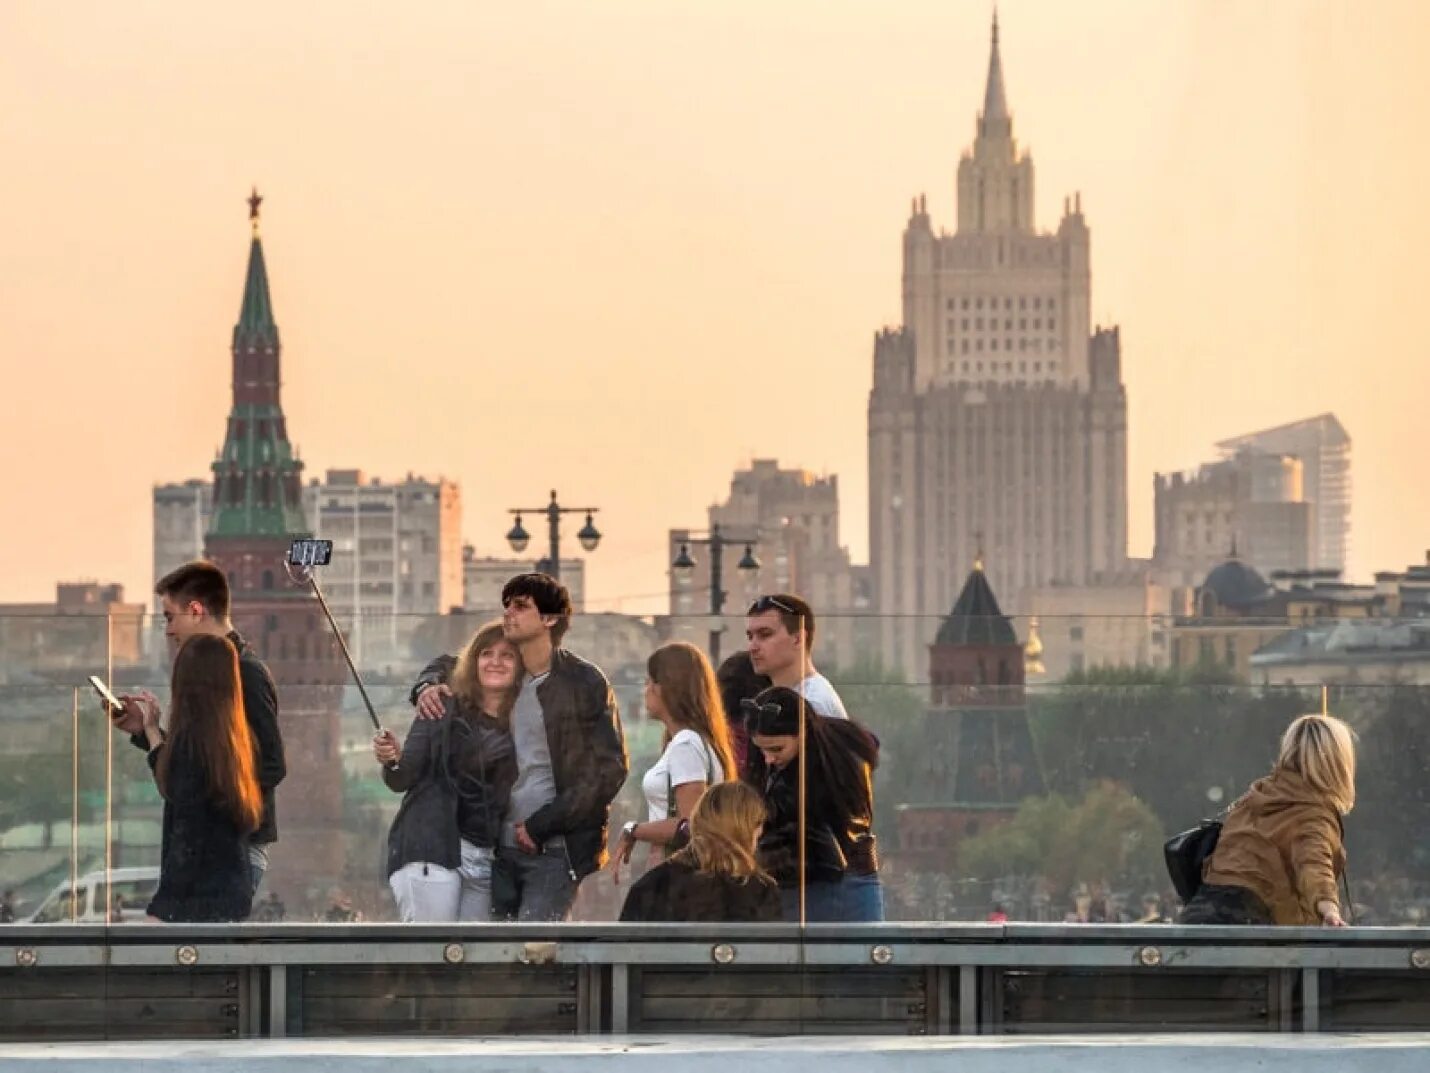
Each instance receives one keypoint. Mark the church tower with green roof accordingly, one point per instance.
(257, 476)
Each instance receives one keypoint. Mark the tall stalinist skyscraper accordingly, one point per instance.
(997, 419)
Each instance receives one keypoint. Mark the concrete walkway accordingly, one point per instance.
(719, 1054)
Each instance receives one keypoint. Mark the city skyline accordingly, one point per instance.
(741, 266)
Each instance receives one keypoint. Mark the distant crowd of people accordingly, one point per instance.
(759, 808)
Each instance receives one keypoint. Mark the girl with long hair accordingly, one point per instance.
(456, 775)
(715, 878)
(1282, 847)
(841, 873)
(682, 695)
(206, 771)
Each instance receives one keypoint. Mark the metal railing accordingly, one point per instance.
(79, 982)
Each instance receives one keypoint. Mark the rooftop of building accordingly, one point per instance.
(1327, 424)
(1348, 641)
(84, 597)
(356, 478)
(976, 618)
(1236, 584)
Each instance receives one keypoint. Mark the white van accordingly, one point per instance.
(129, 890)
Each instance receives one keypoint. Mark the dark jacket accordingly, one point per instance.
(1282, 841)
(839, 810)
(426, 825)
(778, 848)
(260, 705)
(588, 754)
(675, 891)
(203, 871)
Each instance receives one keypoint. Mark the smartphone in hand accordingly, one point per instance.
(111, 702)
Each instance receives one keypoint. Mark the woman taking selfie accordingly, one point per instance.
(205, 770)
(715, 879)
(1281, 847)
(681, 694)
(841, 860)
(456, 773)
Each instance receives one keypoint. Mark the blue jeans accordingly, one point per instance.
(821, 902)
(860, 899)
(545, 882)
(257, 866)
(852, 900)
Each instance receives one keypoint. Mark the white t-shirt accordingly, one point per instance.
(686, 759)
(819, 694)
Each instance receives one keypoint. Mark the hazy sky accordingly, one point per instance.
(619, 248)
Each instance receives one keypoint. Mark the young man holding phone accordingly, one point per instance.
(195, 600)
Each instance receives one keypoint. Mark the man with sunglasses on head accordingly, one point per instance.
(780, 631)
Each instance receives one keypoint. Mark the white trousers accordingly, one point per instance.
(427, 893)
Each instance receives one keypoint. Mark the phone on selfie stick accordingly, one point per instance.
(303, 556)
(111, 703)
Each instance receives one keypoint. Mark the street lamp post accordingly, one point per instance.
(684, 564)
(588, 534)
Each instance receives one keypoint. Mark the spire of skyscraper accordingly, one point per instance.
(995, 180)
(995, 101)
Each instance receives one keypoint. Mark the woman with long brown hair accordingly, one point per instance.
(716, 878)
(456, 773)
(206, 770)
(682, 695)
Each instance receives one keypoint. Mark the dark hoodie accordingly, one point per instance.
(1282, 841)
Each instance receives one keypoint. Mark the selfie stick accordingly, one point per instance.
(303, 573)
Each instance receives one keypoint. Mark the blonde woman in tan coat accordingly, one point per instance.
(1281, 848)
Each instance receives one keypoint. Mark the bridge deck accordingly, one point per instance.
(73, 983)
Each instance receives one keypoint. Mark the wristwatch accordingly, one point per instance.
(628, 832)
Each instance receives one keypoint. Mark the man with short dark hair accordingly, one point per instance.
(570, 754)
(780, 631)
(195, 600)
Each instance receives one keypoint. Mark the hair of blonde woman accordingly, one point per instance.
(1321, 749)
(692, 697)
(723, 830)
(466, 682)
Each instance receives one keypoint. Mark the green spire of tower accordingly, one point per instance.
(257, 476)
(255, 318)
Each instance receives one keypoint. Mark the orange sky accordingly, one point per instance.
(620, 248)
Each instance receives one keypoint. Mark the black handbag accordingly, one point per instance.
(1187, 852)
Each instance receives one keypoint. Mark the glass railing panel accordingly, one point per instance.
(992, 797)
(52, 774)
(51, 804)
